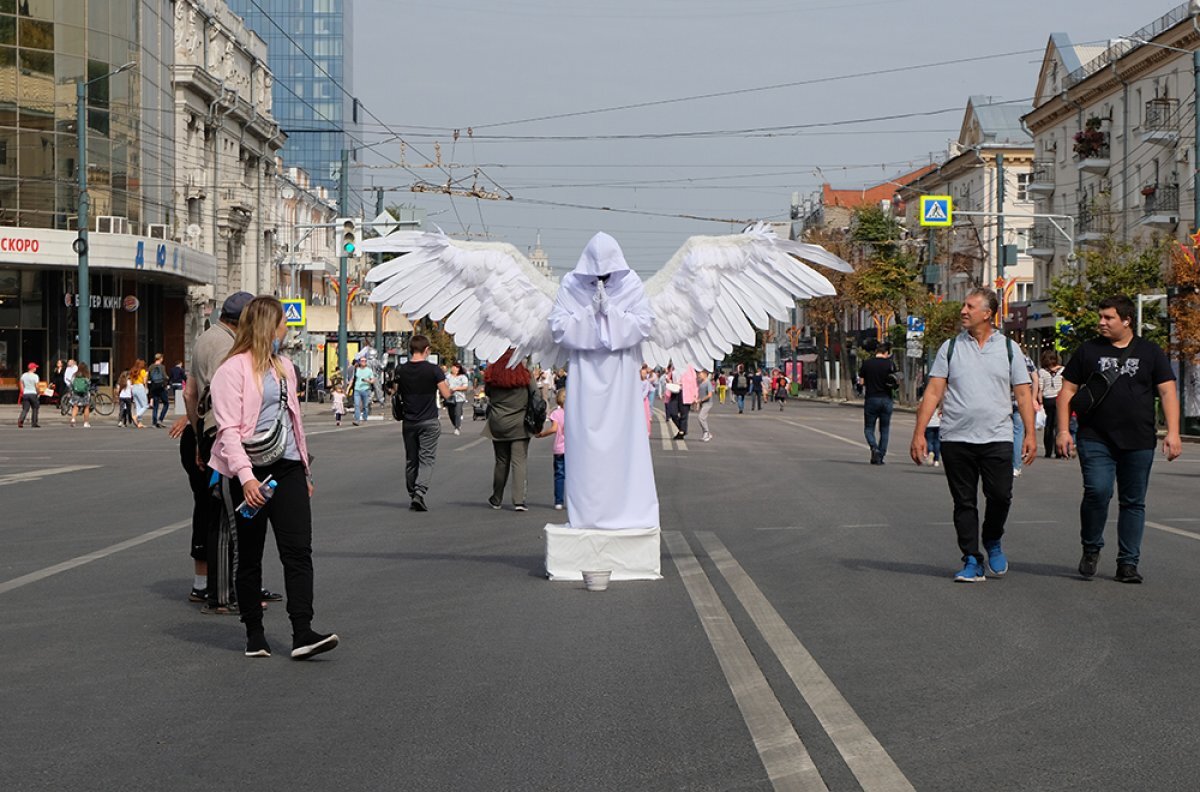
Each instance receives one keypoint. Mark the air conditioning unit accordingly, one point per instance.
(156, 231)
(110, 224)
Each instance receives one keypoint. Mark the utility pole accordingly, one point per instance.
(378, 260)
(81, 244)
(344, 209)
(1000, 216)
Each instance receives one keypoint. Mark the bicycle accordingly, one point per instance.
(102, 403)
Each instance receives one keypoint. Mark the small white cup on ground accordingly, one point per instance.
(597, 580)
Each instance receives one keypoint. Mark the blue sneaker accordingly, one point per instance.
(972, 572)
(996, 560)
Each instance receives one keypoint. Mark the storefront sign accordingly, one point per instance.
(52, 248)
(131, 303)
(97, 300)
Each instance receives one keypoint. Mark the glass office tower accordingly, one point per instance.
(308, 50)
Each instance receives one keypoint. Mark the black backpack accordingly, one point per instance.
(158, 375)
(535, 412)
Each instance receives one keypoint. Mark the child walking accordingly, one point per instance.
(556, 419)
(125, 396)
(933, 437)
(339, 404)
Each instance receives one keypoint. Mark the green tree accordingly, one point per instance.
(1113, 268)
(441, 343)
(942, 322)
(885, 282)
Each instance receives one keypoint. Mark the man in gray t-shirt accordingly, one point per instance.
(704, 394)
(974, 378)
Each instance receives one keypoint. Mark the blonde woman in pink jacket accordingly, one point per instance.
(259, 435)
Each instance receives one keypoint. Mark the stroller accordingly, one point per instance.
(479, 406)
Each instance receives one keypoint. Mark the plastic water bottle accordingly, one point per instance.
(266, 489)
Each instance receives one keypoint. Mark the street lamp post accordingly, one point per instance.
(81, 243)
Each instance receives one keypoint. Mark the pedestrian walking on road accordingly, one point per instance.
(419, 383)
(779, 388)
(508, 389)
(459, 386)
(28, 396)
(704, 403)
(933, 437)
(1050, 381)
(740, 387)
(138, 377)
(260, 436)
(1018, 424)
(339, 403)
(974, 377)
(125, 400)
(214, 527)
(1110, 382)
(363, 379)
(81, 394)
(557, 420)
(688, 389)
(158, 382)
(877, 377)
(756, 389)
(722, 387)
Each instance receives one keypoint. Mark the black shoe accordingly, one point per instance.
(1089, 562)
(495, 504)
(271, 596)
(198, 595)
(418, 504)
(310, 643)
(875, 458)
(1127, 573)
(257, 646)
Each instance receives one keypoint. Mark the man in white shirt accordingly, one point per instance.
(29, 396)
(69, 373)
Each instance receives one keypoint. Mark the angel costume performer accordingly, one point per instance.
(709, 298)
(601, 317)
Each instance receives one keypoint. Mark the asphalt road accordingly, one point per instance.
(806, 634)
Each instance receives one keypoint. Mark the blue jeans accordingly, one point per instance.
(741, 401)
(877, 408)
(933, 442)
(560, 477)
(362, 404)
(1018, 439)
(1102, 464)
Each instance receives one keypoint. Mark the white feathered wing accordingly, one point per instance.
(493, 296)
(716, 289)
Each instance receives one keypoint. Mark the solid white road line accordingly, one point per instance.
(845, 440)
(787, 762)
(666, 430)
(34, 475)
(1176, 531)
(42, 574)
(867, 759)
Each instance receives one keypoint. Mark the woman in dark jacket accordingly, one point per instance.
(507, 390)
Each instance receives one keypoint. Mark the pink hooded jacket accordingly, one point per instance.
(236, 403)
(691, 389)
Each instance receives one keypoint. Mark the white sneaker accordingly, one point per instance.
(457, 432)
(937, 463)
(1016, 472)
(87, 425)
(706, 438)
(558, 507)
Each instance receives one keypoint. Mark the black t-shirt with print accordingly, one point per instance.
(1126, 416)
(418, 383)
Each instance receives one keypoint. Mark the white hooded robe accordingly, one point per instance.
(610, 479)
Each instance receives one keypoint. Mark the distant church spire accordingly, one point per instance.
(538, 257)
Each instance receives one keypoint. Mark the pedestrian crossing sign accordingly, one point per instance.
(937, 210)
(294, 313)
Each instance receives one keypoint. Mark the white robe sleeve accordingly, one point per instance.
(575, 323)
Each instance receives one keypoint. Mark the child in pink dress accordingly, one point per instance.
(339, 404)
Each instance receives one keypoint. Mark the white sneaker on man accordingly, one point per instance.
(457, 432)
(706, 438)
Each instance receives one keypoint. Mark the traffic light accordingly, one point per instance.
(349, 233)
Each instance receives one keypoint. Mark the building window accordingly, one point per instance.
(1023, 180)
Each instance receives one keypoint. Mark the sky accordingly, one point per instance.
(499, 69)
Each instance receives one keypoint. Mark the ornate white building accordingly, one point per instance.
(537, 257)
(225, 143)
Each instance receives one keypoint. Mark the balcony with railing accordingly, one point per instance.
(1043, 240)
(1160, 124)
(1091, 224)
(1041, 177)
(1160, 206)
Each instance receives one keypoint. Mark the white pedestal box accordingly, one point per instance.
(630, 554)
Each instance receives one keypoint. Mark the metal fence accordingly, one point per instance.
(1122, 47)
